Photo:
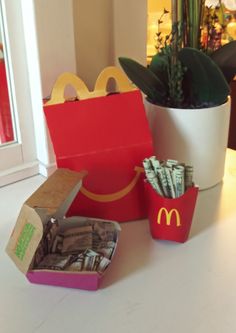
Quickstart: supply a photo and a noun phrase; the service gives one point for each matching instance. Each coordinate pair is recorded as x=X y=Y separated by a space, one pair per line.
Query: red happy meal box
x=106 y=135
x=50 y=249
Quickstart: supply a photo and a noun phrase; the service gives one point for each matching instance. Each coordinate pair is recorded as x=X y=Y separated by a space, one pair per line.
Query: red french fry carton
x=106 y=135
x=28 y=245
x=170 y=219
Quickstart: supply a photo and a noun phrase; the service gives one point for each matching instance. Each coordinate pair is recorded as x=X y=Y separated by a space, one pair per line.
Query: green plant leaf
x=225 y=58
x=207 y=82
x=144 y=79
x=159 y=66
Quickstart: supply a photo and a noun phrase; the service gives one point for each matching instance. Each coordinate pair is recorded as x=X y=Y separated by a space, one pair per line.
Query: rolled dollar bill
x=54 y=262
x=105 y=230
x=50 y=230
x=77 y=239
x=178 y=176
x=77 y=263
x=154 y=163
x=151 y=175
x=104 y=263
x=188 y=176
x=154 y=181
x=106 y=248
x=170 y=185
x=57 y=244
x=107 y=251
x=171 y=163
x=89 y=260
x=147 y=164
x=163 y=181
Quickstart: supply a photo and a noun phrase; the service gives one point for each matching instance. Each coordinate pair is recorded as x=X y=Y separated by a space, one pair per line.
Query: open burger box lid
x=44 y=211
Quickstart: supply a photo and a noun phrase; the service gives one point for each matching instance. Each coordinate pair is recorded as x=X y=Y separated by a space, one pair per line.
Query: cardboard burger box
x=54 y=250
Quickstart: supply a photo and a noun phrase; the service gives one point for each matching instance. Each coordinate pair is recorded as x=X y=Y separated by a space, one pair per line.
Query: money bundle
x=86 y=247
x=168 y=178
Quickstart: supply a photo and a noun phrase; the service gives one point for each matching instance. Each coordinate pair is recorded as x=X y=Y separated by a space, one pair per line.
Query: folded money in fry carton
x=171 y=198
x=51 y=249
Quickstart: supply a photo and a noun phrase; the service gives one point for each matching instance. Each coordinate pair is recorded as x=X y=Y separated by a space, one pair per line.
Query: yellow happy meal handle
x=81 y=89
x=108 y=73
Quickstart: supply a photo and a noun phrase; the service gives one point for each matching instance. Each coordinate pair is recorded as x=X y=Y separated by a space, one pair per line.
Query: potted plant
x=187 y=91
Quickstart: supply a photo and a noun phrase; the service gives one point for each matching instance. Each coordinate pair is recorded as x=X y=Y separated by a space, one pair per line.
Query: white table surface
x=151 y=286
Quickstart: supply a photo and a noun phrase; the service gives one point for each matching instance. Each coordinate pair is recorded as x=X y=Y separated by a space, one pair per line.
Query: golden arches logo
x=116 y=195
x=168 y=216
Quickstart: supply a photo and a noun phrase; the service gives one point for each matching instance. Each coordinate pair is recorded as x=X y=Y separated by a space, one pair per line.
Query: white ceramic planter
x=194 y=136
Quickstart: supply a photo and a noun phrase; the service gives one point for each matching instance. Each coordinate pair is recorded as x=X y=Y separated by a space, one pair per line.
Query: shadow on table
x=132 y=252
x=206 y=210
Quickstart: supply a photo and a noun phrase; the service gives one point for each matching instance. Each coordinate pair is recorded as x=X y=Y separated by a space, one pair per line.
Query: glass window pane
x=6 y=119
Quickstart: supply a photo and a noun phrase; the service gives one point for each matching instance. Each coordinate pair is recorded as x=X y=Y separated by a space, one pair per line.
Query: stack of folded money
x=86 y=247
x=168 y=178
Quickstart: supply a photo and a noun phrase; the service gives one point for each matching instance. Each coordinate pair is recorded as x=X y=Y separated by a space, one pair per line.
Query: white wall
x=105 y=30
x=84 y=36
x=55 y=34
x=93 y=24
x=130 y=29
